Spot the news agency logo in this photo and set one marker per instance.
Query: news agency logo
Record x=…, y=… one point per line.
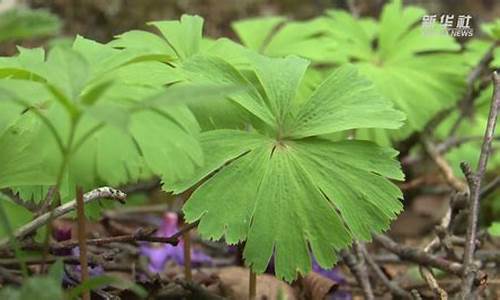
x=447, y=24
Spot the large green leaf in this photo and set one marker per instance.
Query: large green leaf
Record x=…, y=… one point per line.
x=287, y=192
x=350, y=109
x=128, y=124
x=421, y=74
x=276, y=37
x=21, y=160
x=179, y=39
x=181, y=44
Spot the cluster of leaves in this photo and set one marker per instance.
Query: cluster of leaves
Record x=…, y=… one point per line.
x=421, y=74
x=91, y=114
x=405, y=65
x=277, y=168
x=263, y=138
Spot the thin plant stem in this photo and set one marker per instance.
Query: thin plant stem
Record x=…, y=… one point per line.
x=187, y=256
x=87, y=135
x=82, y=235
x=49, y=201
x=252, y=286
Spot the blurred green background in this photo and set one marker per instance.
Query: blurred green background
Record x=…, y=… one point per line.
x=102, y=19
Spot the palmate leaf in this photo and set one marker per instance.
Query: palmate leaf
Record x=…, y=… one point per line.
x=21, y=164
x=421, y=74
x=128, y=126
x=179, y=39
x=28, y=92
x=283, y=189
x=274, y=36
x=179, y=43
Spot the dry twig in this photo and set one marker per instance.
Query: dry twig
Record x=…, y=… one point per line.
x=392, y=286
x=358, y=269
x=99, y=193
x=474, y=181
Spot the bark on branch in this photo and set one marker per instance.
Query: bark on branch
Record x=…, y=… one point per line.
x=99, y=193
x=474, y=181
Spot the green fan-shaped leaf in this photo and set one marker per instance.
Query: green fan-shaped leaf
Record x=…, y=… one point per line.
x=255, y=33
x=274, y=36
x=20, y=163
x=179, y=39
x=420, y=73
x=183, y=36
x=284, y=190
x=407, y=66
x=126, y=126
x=182, y=42
x=321, y=115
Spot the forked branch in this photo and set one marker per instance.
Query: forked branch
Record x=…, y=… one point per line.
x=474, y=181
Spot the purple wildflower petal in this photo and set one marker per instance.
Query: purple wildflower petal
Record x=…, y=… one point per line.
x=157, y=257
x=160, y=255
x=169, y=225
x=60, y=234
x=333, y=274
x=200, y=258
x=336, y=275
x=340, y=295
x=93, y=270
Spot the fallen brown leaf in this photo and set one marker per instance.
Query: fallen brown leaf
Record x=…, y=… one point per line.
x=234, y=285
x=318, y=286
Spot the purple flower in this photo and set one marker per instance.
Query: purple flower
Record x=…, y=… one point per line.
x=63, y=233
x=336, y=275
x=96, y=270
x=339, y=295
x=333, y=274
x=60, y=234
x=159, y=255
